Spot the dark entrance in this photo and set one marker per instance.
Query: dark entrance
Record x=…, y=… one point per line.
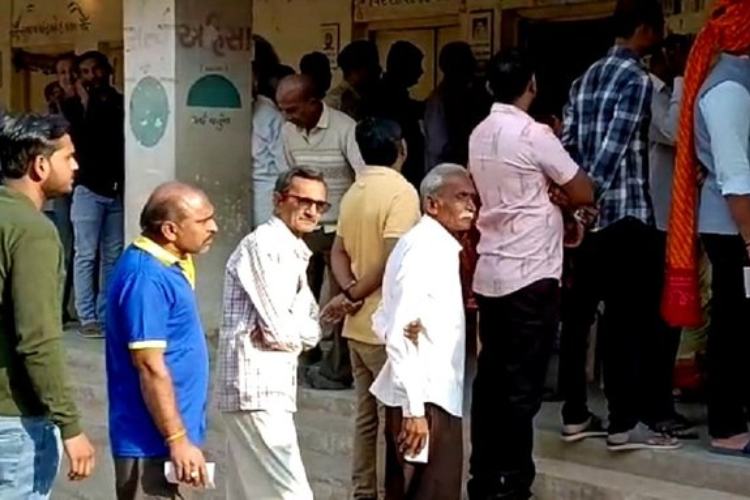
x=562, y=51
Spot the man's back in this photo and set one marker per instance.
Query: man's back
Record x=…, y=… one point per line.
x=380, y=205
x=606, y=132
x=513, y=160
x=102, y=143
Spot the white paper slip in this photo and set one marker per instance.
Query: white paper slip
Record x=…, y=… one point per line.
x=169, y=473
x=747, y=282
x=421, y=457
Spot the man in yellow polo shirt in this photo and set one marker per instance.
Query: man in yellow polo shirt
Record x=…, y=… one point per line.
x=375, y=212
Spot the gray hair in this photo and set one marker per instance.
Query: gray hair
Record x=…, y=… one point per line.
x=436, y=178
x=284, y=181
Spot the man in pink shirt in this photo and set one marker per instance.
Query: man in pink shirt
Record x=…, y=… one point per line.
x=515, y=161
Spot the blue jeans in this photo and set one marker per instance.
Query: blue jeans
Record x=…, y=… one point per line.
x=58, y=211
x=98, y=228
x=30, y=453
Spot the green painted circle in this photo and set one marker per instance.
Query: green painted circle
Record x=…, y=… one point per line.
x=149, y=111
x=214, y=91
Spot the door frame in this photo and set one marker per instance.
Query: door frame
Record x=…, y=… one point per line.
x=434, y=24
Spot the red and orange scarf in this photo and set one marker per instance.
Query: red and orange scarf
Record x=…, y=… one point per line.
x=727, y=30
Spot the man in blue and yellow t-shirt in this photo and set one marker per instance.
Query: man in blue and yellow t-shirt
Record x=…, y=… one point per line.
x=157, y=357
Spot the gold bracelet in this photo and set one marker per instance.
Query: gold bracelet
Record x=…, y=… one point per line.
x=174, y=437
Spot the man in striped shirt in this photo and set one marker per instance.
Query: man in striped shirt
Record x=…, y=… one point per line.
x=322, y=138
x=606, y=131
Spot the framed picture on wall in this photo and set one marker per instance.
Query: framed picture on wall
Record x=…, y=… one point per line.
x=481, y=33
x=330, y=38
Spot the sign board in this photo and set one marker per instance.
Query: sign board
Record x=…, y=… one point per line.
x=380, y=10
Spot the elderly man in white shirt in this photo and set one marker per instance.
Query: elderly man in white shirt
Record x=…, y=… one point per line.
x=422, y=382
x=270, y=316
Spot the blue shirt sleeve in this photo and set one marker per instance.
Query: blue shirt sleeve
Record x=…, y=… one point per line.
x=145, y=311
x=726, y=109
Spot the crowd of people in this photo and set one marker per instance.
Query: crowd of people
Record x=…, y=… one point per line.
x=382, y=225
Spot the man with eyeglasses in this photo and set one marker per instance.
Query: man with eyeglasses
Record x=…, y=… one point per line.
x=270, y=316
x=322, y=138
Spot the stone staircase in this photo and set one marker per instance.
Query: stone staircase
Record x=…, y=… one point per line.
x=584, y=471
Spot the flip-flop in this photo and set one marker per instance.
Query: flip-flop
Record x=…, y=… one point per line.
x=729, y=452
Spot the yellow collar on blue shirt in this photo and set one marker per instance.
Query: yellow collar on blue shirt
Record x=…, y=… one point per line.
x=167, y=258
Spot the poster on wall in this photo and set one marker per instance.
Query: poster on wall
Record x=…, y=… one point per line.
x=330, y=41
x=481, y=32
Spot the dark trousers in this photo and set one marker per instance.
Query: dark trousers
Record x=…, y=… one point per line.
x=517, y=333
x=143, y=479
x=621, y=265
x=438, y=479
x=335, y=364
x=729, y=337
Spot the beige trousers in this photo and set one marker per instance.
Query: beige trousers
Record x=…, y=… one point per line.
x=367, y=361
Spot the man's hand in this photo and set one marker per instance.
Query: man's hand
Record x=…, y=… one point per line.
x=83, y=94
x=558, y=196
x=413, y=436
x=189, y=463
x=574, y=232
x=586, y=215
x=80, y=455
x=412, y=331
x=338, y=308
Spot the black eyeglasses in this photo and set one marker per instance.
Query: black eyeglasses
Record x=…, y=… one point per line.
x=307, y=203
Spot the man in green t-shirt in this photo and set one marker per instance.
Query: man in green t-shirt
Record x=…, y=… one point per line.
x=38, y=418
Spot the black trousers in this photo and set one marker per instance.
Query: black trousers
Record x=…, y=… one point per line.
x=729, y=338
x=517, y=333
x=623, y=266
x=438, y=479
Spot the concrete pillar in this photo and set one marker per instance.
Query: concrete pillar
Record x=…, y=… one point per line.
x=188, y=102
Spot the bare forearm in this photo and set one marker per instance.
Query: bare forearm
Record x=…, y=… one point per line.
x=341, y=267
x=158, y=393
x=739, y=206
x=368, y=285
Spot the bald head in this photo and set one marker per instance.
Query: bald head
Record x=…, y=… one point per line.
x=180, y=218
x=296, y=86
x=170, y=202
x=298, y=102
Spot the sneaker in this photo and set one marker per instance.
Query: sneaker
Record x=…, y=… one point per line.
x=90, y=331
x=641, y=438
x=678, y=426
x=591, y=428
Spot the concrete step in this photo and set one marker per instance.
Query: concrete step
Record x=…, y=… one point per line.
x=328, y=475
x=325, y=426
x=692, y=465
x=320, y=432
x=570, y=481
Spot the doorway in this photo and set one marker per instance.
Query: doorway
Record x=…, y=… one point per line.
x=430, y=40
x=562, y=51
